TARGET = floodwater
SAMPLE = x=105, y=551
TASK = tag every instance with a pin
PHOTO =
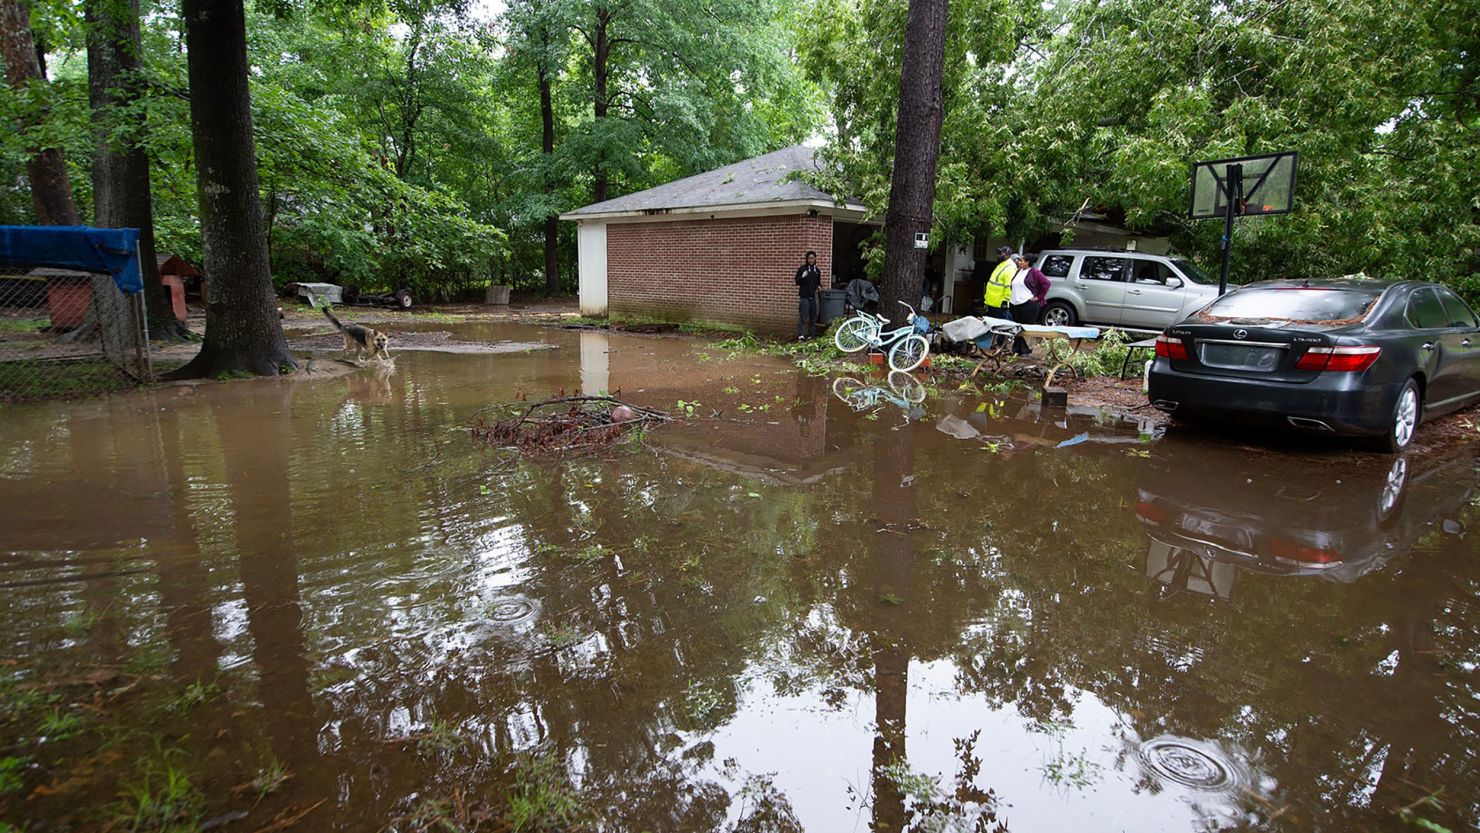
x=813, y=606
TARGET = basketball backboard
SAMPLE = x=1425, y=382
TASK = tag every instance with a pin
x=1257, y=185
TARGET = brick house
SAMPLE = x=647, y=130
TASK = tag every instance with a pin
x=719, y=247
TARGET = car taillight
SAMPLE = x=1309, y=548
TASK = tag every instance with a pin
x=1301, y=554
x=1151, y=512
x=1341, y=359
x=1171, y=348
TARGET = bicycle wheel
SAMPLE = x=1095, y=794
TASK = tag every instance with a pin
x=909, y=352
x=907, y=386
x=844, y=387
x=854, y=334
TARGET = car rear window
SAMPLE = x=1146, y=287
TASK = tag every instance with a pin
x=1295, y=303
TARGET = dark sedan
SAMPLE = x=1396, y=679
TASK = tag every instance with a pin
x=1357, y=357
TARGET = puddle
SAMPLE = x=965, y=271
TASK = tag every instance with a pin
x=817, y=604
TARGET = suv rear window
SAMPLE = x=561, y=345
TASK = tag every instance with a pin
x=1295, y=303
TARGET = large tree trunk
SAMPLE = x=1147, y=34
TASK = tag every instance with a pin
x=916, y=149
x=120, y=175
x=243, y=332
x=601, y=49
x=51, y=192
x=547, y=146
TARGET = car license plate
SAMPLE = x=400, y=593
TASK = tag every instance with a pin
x=1241, y=357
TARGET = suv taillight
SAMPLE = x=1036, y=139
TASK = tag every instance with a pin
x=1171, y=348
x=1339, y=359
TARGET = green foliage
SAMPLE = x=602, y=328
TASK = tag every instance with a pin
x=1053, y=109
x=1101, y=358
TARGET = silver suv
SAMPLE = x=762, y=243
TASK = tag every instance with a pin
x=1124, y=289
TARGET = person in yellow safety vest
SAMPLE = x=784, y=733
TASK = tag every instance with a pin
x=999, y=289
x=999, y=285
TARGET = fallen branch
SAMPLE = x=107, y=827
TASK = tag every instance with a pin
x=566, y=424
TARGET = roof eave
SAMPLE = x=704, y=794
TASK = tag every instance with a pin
x=823, y=206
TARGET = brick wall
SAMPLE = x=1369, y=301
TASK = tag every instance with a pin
x=733, y=271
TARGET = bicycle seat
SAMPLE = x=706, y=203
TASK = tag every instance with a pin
x=882, y=319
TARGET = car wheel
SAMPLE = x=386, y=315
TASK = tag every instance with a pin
x=1403, y=424
x=1394, y=489
x=1059, y=314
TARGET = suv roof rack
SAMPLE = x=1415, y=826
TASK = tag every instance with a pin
x=1104, y=249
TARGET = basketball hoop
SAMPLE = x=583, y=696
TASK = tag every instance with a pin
x=1246, y=186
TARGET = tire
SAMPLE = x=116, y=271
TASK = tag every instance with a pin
x=1394, y=490
x=1404, y=421
x=909, y=353
x=403, y=299
x=853, y=335
x=907, y=386
x=1059, y=314
x=844, y=387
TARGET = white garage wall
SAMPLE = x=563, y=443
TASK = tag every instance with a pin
x=591, y=257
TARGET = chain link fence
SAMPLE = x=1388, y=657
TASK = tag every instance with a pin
x=69, y=333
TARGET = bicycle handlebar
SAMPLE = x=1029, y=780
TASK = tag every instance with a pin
x=910, y=308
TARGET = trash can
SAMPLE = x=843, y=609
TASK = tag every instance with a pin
x=831, y=306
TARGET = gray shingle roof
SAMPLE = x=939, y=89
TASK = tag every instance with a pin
x=763, y=179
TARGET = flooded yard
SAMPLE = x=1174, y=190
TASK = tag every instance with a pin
x=809, y=604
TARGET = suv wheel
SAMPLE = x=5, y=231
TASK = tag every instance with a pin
x=1059, y=314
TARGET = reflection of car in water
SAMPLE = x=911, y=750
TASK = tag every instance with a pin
x=1206, y=516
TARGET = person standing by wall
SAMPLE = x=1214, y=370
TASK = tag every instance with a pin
x=809, y=281
x=1029, y=291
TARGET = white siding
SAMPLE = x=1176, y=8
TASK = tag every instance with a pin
x=591, y=257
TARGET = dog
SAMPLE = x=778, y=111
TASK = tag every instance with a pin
x=362, y=339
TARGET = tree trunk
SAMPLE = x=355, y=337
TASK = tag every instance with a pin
x=552, y=226
x=916, y=149
x=243, y=332
x=601, y=48
x=120, y=175
x=51, y=192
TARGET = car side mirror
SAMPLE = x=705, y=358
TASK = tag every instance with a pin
x=1174, y=282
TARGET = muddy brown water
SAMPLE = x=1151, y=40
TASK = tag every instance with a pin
x=814, y=606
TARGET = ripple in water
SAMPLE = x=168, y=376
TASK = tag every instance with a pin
x=511, y=610
x=1191, y=763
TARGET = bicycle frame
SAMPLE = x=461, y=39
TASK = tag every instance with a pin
x=879, y=338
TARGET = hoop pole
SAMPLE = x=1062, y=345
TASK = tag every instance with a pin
x=1234, y=175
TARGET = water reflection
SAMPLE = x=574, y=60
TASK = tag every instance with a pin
x=1337, y=521
x=779, y=617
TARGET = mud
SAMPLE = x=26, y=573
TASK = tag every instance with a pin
x=799, y=606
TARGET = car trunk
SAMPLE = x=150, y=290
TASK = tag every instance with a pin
x=1262, y=349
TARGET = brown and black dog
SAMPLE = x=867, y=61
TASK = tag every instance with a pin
x=362, y=339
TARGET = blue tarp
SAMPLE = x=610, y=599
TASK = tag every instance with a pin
x=111, y=250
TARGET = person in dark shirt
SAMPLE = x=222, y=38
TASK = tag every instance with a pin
x=809, y=281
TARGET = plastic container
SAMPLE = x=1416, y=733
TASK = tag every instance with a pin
x=832, y=305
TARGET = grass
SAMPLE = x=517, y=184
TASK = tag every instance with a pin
x=159, y=798
x=49, y=379
x=561, y=636
x=542, y=798
x=23, y=325
x=197, y=693
x=12, y=774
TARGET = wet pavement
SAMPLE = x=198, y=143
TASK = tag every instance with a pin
x=819, y=604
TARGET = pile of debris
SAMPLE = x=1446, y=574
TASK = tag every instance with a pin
x=566, y=424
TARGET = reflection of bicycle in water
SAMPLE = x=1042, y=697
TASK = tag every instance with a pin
x=904, y=391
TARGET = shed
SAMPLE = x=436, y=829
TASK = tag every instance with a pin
x=719, y=247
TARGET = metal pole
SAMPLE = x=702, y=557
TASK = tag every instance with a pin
x=1234, y=176
x=141, y=333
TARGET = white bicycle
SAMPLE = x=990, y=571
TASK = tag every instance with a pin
x=907, y=345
